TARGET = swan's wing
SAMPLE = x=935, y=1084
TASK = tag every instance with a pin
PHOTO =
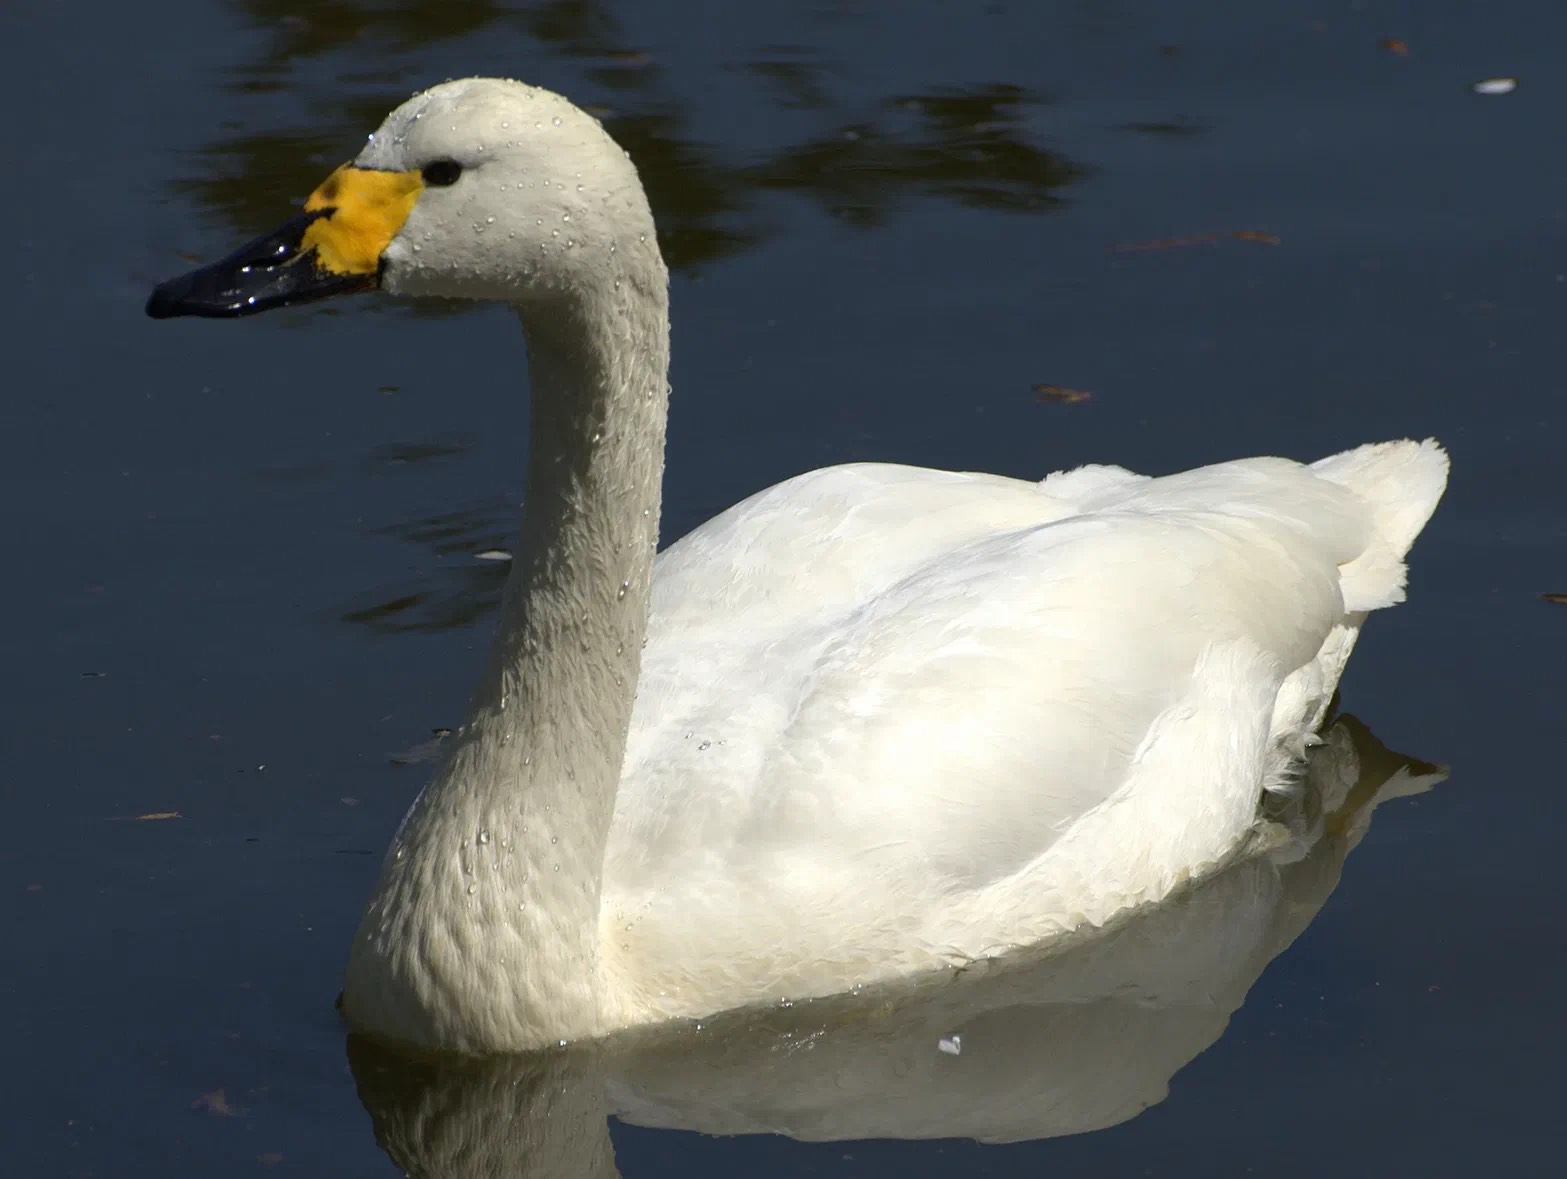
x=895, y=608
x=885, y=691
x=830, y=540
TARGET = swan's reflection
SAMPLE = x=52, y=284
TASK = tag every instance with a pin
x=1061, y=1040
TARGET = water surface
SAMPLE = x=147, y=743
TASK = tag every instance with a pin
x=243, y=576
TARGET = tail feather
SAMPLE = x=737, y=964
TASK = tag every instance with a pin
x=1402, y=482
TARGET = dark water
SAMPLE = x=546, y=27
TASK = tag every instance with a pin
x=241, y=574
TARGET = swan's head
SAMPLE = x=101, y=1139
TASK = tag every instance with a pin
x=479, y=188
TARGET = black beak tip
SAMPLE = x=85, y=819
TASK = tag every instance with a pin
x=268, y=272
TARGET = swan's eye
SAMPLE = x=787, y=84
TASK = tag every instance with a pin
x=441, y=173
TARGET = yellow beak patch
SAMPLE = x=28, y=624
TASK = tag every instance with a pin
x=364, y=211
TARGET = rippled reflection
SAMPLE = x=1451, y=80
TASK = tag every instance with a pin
x=1078, y=1037
x=461, y=582
x=322, y=73
x=863, y=159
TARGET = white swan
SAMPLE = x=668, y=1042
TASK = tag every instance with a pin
x=1078, y=1035
x=871, y=721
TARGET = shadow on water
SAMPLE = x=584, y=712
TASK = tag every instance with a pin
x=1076, y=1037
x=861, y=164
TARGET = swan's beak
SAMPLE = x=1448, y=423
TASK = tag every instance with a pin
x=333, y=248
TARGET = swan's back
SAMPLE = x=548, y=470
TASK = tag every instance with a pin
x=890, y=716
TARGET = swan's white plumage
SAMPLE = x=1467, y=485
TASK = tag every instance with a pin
x=977, y=710
x=885, y=718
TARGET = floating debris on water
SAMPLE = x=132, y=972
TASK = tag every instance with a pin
x=1495, y=86
x=1061, y=395
x=1210, y=237
x=149, y=817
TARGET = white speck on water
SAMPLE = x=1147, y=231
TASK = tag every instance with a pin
x=556, y=121
x=1496, y=86
x=472, y=888
x=621, y=593
x=484, y=837
x=705, y=745
x=952, y=1045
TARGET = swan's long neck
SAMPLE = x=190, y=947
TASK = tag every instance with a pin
x=484, y=930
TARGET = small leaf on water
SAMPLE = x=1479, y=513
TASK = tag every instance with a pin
x=149, y=817
x=1211, y=237
x=216, y=1104
x=1061, y=395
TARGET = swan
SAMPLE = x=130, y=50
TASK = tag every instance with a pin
x=870, y=722
x=1079, y=1035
